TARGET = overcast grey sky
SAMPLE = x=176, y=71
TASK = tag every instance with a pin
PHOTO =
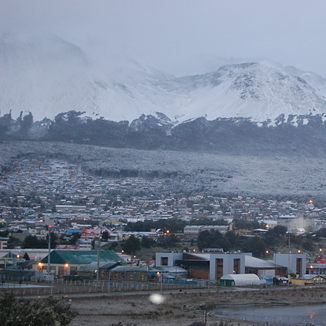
x=168, y=33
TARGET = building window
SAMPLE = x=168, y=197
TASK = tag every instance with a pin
x=164, y=261
x=299, y=266
x=219, y=268
x=236, y=266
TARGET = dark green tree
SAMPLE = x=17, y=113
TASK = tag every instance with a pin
x=308, y=244
x=255, y=245
x=25, y=124
x=213, y=239
x=279, y=230
x=232, y=238
x=74, y=238
x=105, y=235
x=321, y=233
x=244, y=224
x=131, y=245
x=54, y=240
x=32, y=241
x=147, y=242
x=40, y=312
x=13, y=242
x=168, y=241
x=113, y=245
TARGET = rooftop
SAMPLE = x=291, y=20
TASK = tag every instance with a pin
x=82, y=257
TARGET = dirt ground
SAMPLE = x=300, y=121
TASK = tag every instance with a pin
x=184, y=308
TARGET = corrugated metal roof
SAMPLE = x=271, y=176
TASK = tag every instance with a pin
x=172, y=269
x=93, y=266
x=188, y=256
x=133, y=268
x=242, y=279
x=258, y=263
x=77, y=257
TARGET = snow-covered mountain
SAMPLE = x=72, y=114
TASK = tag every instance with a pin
x=48, y=76
x=256, y=90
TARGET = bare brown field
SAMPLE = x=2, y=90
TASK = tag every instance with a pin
x=185, y=308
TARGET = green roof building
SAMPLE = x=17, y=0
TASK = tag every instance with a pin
x=67, y=262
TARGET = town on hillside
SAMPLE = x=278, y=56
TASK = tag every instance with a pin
x=60, y=223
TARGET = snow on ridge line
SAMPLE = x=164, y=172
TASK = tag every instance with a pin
x=260, y=90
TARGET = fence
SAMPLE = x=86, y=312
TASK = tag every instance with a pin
x=63, y=287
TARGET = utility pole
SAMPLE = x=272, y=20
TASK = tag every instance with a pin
x=49, y=249
x=98, y=260
x=205, y=316
x=204, y=308
x=289, y=260
x=161, y=287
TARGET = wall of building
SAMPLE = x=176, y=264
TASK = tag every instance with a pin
x=290, y=260
x=199, y=273
x=3, y=244
x=167, y=258
x=228, y=264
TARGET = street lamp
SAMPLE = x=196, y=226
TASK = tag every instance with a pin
x=49, y=249
x=40, y=266
x=98, y=247
x=160, y=277
x=65, y=267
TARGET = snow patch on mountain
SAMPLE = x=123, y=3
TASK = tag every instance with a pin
x=49, y=75
x=255, y=90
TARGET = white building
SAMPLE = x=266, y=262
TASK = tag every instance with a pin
x=296, y=263
x=210, y=266
x=240, y=280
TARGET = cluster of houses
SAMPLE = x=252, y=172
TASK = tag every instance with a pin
x=230, y=268
x=69, y=195
x=90, y=223
x=77, y=203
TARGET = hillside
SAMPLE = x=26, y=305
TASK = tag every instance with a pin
x=186, y=172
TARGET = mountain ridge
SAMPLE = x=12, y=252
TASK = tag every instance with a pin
x=50, y=75
x=297, y=135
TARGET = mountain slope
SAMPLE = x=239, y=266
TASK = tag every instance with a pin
x=254, y=90
x=49, y=75
x=43, y=76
